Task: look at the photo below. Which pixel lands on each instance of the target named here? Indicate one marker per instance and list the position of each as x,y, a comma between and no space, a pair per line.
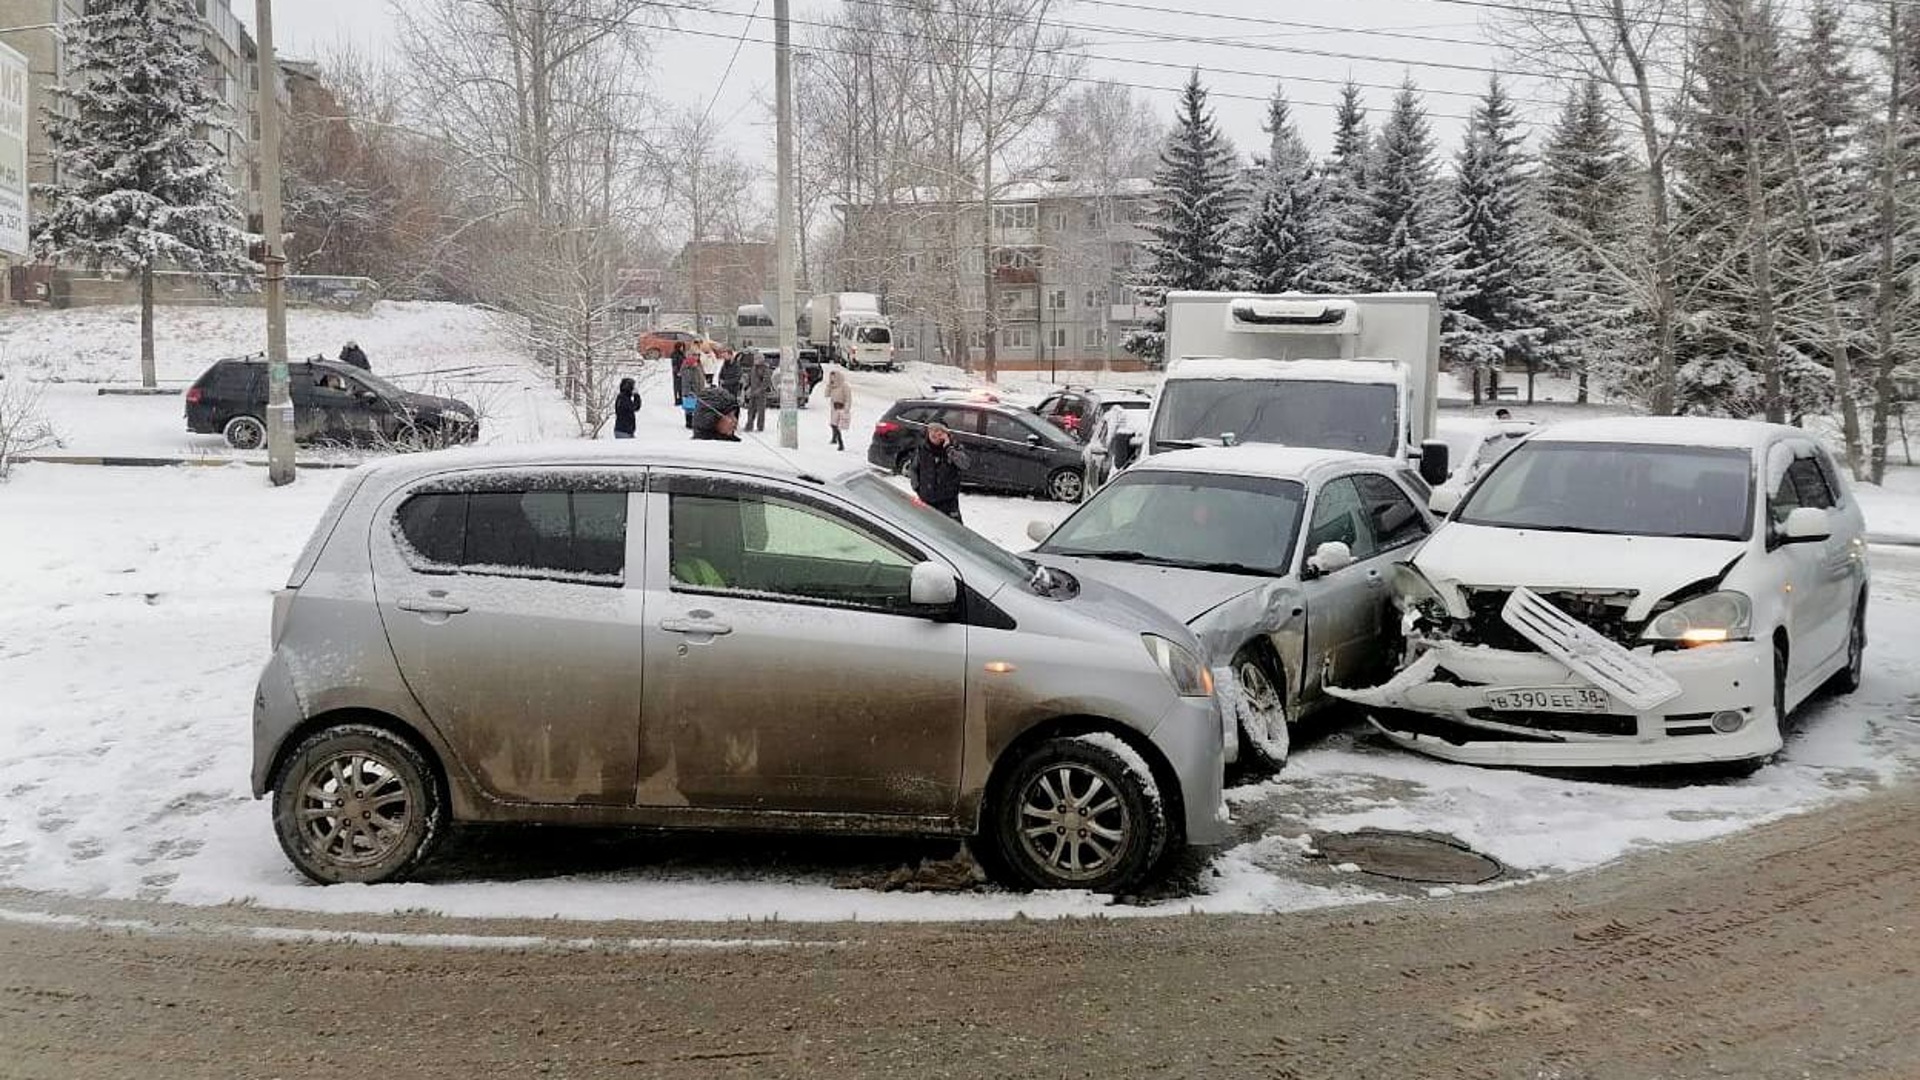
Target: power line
707,114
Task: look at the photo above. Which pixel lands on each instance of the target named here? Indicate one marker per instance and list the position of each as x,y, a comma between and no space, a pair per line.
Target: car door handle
432,606
695,627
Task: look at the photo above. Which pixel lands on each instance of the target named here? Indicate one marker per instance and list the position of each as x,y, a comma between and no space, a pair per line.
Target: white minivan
1641,591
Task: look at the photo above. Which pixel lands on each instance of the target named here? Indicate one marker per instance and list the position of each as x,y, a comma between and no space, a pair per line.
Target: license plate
1570,699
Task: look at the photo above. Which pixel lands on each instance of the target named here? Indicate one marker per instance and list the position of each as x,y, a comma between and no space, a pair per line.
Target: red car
657,343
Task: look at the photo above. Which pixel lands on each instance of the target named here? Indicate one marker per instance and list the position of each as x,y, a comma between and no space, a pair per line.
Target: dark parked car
1076,409
1010,448
332,402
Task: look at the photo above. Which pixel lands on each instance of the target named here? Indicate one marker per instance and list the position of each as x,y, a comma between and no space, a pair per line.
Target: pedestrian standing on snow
732,374
692,380
625,407
840,397
759,386
355,355
937,465
716,415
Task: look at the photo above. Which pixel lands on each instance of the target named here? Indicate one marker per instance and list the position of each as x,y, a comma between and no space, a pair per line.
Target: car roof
1671,431
751,455
1265,460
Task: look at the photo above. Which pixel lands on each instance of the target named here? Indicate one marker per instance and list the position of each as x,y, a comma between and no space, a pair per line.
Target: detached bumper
1440,705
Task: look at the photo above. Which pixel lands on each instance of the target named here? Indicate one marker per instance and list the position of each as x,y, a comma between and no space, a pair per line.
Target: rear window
570,535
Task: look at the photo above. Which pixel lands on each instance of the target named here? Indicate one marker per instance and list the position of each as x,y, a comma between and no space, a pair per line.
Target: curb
138,391
1890,540
163,462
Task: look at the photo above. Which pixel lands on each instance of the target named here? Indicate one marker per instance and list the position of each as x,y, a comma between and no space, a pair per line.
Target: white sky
700,48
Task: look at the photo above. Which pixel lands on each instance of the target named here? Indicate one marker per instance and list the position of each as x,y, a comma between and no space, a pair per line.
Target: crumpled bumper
1439,705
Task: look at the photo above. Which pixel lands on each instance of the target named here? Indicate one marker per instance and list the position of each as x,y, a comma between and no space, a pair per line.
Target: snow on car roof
751,453
1257,459
1381,370
1669,430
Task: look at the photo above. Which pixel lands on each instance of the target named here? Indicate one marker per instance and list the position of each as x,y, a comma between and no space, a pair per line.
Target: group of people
712,409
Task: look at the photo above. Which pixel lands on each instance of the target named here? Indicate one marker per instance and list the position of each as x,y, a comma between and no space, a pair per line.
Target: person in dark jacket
355,355
759,387
626,406
691,379
733,374
716,414
937,465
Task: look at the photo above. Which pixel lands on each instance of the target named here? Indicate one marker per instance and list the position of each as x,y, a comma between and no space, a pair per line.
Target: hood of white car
1184,594
1653,566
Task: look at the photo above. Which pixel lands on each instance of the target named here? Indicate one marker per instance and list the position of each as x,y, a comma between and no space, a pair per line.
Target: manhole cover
1402,856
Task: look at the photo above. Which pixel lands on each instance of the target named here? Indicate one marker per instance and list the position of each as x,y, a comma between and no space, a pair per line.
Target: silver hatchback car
720,638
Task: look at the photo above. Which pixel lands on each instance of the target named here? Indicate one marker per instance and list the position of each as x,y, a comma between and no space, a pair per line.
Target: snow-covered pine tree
1401,234
140,187
1496,302
1343,197
1196,191
1591,204
1283,239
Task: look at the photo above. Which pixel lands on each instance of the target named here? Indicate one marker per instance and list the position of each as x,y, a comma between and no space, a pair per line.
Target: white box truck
1357,372
848,329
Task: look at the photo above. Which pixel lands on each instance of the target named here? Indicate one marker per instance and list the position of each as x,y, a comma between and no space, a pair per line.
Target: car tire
1078,812
327,792
650,354
1262,710
245,433
1847,679
903,464
1067,486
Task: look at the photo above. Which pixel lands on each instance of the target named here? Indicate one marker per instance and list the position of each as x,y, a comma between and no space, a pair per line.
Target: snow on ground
134,608
1893,509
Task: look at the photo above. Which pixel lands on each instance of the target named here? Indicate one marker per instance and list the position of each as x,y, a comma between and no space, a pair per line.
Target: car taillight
193,395
885,427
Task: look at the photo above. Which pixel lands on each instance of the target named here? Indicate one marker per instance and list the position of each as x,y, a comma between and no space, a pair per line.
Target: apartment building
1064,257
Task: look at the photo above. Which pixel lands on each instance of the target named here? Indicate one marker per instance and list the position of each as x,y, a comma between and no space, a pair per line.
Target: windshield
371,381
1171,518
894,504
1330,415
875,335
1618,489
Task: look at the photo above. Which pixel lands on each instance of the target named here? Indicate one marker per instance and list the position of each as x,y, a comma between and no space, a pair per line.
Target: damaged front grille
1605,612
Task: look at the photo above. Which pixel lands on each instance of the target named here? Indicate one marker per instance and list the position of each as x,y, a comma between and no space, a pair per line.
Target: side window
570,535
1394,517
1001,426
782,549
1802,484
1339,515
1415,484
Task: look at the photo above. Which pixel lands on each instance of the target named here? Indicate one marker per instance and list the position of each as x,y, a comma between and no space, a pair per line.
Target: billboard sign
13,151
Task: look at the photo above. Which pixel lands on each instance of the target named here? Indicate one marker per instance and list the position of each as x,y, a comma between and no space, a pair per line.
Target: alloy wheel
354,808
1073,821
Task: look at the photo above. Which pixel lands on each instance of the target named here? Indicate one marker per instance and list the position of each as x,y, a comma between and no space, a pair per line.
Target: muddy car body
1278,558
1627,592
716,638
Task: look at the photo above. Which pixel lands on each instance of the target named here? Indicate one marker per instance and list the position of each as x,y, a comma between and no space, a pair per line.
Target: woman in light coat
840,396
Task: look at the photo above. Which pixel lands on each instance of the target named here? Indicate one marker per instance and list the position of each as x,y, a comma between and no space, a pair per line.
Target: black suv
332,403
1010,448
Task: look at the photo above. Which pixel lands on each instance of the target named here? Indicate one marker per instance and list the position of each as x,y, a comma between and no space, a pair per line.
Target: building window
1095,338
1016,258
913,264
1057,337
976,339
1021,216
1095,298
1093,218
1057,299
1017,337
973,298
1057,221
910,339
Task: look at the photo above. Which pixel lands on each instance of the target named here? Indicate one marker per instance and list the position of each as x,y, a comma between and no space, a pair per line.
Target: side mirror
1444,499
1332,556
1806,525
368,396
1433,462
932,585
1033,438
1038,531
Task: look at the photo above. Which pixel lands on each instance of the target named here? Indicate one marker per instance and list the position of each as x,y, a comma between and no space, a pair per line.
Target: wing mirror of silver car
1038,531
932,585
1444,499
1806,525
1330,557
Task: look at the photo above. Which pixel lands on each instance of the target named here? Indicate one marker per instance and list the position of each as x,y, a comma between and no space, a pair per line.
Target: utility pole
783,242
279,392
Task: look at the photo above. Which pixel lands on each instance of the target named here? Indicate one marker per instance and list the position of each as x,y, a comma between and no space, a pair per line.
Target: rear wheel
245,433
1066,485
357,803
903,463
1264,736
1078,812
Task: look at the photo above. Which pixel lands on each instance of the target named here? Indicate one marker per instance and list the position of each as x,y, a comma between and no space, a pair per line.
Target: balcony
1016,275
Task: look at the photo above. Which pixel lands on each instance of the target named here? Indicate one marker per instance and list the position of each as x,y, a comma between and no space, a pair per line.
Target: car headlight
1190,678
1413,592
1704,620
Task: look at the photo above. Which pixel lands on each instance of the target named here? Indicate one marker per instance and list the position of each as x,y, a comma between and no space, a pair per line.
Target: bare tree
24,427
712,188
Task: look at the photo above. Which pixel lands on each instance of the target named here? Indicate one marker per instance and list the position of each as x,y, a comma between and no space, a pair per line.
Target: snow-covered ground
134,618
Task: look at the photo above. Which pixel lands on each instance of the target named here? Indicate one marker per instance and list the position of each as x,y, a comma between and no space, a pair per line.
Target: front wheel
1847,680
1066,485
245,433
356,803
1262,707
1078,812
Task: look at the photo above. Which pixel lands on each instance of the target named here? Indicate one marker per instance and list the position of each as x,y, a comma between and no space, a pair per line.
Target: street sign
13,151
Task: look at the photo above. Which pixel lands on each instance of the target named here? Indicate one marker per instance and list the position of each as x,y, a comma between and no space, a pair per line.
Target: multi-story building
1064,259
711,278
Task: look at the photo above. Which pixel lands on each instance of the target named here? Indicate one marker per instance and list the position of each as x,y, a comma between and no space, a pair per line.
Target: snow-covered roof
1669,430
751,453
1221,367
1256,459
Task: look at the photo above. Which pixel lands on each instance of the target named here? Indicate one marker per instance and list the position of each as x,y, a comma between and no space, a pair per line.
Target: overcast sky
1240,57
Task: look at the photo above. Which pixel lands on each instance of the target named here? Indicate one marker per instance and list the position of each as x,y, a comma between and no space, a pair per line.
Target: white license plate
1586,699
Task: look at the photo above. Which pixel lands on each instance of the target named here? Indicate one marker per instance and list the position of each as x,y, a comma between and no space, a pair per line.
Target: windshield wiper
1115,556
1222,567
1179,444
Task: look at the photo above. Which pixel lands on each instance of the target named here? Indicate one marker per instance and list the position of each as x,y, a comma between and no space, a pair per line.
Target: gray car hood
1185,594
